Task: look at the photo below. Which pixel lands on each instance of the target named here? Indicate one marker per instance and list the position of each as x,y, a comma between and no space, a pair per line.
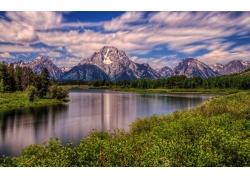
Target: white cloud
52,54
192,49
20,48
122,22
39,20
25,54
223,57
23,25
6,55
16,32
67,61
131,32
170,61
212,20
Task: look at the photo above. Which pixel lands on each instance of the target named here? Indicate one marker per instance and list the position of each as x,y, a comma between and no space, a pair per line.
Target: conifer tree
11,78
45,81
26,77
3,76
18,78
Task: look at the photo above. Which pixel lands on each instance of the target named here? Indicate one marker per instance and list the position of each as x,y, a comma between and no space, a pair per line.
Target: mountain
235,66
19,63
65,69
115,64
165,72
217,68
192,67
38,64
86,72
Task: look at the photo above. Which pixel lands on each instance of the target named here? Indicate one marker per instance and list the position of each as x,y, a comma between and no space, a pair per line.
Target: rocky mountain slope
192,67
217,68
38,64
165,72
65,69
115,64
235,66
86,72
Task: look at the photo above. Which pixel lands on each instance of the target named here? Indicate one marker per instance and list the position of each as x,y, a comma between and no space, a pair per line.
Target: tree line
232,81
23,78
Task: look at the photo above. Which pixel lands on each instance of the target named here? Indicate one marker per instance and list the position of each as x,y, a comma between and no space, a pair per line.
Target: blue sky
160,38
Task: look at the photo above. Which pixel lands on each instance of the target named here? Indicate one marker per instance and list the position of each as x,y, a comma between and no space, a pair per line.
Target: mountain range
113,64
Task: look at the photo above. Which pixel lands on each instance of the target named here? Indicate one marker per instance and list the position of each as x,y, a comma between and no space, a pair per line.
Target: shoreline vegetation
20,99
157,90
21,87
214,134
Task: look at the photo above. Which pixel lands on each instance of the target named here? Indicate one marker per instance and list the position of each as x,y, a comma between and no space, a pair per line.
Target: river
87,110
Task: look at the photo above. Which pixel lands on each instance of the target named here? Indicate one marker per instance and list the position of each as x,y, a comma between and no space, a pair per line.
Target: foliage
26,77
45,81
20,99
58,92
214,134
18,78
31,92
232,81
23,79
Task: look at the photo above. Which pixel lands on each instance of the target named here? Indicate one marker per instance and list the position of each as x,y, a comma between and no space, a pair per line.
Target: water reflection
102,110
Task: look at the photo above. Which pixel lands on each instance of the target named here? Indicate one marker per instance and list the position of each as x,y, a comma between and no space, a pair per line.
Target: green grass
158,90
20,99
214,134
176,91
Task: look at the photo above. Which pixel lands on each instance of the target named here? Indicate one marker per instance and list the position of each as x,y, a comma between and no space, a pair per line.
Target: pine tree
11,78
26,78
37,82
18,78
4,76
45,81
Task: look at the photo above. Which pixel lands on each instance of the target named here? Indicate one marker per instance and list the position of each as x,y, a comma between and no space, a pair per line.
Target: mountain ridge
113,64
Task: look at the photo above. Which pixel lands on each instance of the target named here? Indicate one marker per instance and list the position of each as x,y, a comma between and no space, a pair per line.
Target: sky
159,38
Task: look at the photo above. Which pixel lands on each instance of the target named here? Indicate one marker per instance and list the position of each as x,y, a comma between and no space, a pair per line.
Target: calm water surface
102,110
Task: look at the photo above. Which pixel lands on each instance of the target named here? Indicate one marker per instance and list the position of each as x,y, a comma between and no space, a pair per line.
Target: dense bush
58,92
31,92
214,134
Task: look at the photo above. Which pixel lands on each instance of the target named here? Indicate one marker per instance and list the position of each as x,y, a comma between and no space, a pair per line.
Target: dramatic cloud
123,22
209,36
170,61
223,57
52,54
20,48
16,32
39,20
5,55
67,61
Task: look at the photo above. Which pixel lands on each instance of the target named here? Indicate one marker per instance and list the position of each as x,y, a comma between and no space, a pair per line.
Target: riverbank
214,134
178,91
158,90
20,99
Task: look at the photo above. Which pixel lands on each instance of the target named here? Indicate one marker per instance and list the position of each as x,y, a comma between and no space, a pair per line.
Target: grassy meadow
20,99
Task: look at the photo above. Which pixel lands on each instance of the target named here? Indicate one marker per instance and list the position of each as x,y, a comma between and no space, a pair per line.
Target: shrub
31,92
57,92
